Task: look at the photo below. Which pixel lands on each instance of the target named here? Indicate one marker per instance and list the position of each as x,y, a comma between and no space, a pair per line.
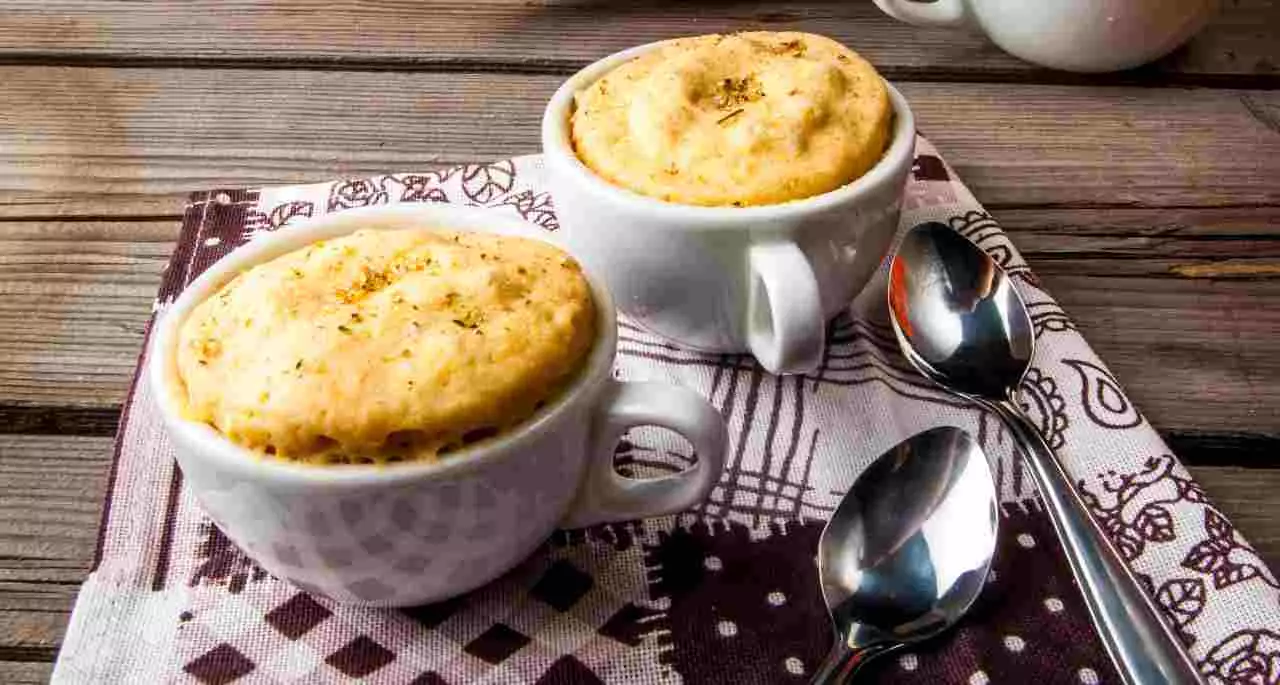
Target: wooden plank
35,419
36,601
1104,146
131,139
550,35
51,493
84,291
1138,232
29,203
34,613
145,137
32,635
25,672
53,489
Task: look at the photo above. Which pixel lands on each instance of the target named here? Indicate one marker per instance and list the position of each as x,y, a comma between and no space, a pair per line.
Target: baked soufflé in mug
386,345
745,119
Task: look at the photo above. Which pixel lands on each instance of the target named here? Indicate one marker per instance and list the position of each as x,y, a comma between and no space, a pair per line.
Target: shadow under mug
409,533
763,279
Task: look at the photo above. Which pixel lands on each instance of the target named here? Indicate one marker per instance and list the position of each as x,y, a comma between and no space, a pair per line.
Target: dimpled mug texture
402,533
404,544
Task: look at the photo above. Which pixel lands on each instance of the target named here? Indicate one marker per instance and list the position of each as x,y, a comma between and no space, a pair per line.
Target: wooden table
1149,202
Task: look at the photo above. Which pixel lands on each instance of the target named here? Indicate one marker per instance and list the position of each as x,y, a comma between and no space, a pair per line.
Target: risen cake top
751,118
386,345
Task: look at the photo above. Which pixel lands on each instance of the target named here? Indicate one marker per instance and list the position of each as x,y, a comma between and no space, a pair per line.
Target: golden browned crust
386,345
750,118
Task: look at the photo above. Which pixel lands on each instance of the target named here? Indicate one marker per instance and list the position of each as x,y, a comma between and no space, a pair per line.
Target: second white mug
760,279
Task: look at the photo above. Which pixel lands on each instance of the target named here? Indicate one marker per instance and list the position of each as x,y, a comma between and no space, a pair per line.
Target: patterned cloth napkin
726,593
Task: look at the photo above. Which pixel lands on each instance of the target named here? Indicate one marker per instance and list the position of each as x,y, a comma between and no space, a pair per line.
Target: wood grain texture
84,291
35,419
125,140
53,487
25,672
50,507
553,35
1200,244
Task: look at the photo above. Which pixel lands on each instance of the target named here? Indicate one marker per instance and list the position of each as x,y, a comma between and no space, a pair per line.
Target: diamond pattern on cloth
222,664
562,586
497,643
360,657
724,593
297,616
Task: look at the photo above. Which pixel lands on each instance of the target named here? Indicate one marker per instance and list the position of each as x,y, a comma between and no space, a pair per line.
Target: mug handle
786,330
607,496
944,13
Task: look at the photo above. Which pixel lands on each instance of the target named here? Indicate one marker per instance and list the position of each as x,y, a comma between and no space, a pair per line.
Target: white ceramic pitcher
1074,35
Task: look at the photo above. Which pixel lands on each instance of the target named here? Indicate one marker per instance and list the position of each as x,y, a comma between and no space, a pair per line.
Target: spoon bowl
908,549
963,323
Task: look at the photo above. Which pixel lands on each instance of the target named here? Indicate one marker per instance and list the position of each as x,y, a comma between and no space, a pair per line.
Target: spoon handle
1142,646
843,662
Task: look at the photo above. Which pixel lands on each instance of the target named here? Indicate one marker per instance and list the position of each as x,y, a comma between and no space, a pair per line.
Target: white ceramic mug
728,279
408,533
1074,35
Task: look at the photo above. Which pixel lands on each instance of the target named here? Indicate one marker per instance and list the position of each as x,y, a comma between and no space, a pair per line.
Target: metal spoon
907,551
963,325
